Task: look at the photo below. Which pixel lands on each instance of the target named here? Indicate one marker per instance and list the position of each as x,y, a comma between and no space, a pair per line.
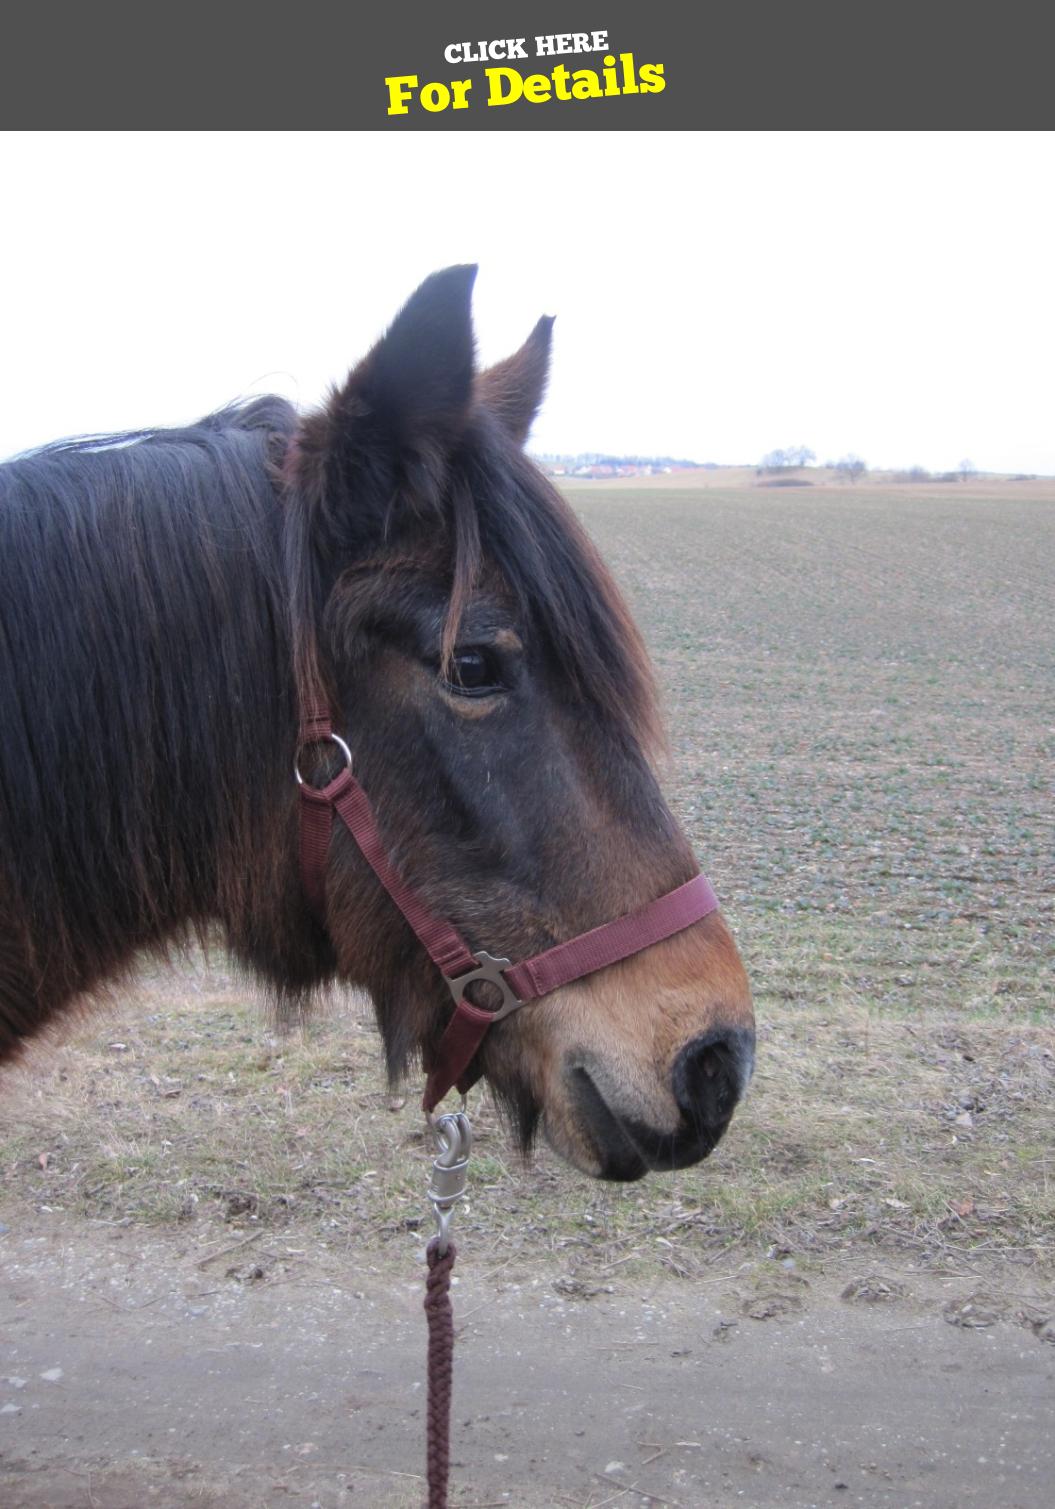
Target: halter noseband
460,967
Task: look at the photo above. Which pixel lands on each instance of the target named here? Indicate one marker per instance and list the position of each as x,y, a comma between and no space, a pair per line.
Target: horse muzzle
708,1078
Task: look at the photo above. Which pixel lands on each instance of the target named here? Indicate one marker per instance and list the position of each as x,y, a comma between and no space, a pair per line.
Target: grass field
859,687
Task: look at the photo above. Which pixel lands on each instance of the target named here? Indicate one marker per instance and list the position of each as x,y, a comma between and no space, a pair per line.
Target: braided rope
440,1317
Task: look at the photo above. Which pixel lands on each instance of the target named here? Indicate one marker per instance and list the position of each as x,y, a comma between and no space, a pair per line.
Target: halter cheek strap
459,965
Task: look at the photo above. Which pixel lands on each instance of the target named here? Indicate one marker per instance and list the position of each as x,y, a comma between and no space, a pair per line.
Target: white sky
717,294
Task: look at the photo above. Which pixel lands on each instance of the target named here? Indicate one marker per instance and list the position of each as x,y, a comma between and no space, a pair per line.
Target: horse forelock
488,511
531,535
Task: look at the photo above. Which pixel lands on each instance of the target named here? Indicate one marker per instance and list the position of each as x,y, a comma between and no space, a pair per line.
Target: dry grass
862,1129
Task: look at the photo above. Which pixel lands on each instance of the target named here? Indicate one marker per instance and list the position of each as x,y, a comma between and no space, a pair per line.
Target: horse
171,600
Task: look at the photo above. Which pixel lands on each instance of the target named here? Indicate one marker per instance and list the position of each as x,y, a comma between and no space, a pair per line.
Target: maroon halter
518,983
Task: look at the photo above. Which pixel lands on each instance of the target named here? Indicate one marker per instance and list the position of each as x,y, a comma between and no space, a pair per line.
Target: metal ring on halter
323,738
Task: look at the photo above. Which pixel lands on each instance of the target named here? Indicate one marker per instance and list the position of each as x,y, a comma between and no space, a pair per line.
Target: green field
859,688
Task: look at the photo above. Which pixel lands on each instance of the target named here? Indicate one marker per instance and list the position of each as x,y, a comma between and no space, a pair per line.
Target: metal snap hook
454,1139
453,1135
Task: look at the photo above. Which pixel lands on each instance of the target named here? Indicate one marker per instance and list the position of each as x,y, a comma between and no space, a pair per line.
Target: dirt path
134,1371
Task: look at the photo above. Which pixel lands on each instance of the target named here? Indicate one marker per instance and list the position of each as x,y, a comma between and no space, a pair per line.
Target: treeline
851,467
963,473
774,463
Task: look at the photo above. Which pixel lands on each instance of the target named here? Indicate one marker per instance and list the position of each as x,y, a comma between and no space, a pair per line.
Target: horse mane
145,647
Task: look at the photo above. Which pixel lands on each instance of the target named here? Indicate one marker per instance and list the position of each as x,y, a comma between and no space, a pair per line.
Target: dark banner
580,65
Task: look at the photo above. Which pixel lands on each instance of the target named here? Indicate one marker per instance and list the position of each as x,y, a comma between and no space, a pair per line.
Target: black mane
145,649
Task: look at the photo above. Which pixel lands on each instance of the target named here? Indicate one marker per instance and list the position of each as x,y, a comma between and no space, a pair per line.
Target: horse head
501,715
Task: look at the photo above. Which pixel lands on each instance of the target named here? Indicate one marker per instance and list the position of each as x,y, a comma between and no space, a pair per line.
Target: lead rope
440,1317
454,1138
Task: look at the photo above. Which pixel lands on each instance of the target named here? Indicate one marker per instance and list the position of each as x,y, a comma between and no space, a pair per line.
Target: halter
460,967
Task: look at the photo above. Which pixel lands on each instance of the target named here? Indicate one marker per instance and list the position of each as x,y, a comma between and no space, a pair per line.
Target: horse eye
474,672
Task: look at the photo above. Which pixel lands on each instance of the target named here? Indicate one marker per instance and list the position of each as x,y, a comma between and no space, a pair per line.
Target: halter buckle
490,969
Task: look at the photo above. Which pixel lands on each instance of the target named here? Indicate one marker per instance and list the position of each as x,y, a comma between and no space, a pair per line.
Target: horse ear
400,412
513,389
417,380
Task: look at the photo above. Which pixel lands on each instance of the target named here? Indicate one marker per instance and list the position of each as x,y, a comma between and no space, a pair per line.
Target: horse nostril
711,1073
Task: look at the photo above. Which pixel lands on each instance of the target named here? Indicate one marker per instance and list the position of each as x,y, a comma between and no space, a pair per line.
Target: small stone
974,1313
771,1305
873,1289
52,1375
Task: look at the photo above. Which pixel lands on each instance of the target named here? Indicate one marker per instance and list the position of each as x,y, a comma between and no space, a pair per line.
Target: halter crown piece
459,965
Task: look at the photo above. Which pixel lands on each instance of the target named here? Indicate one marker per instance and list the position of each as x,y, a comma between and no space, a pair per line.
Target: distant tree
967,470
851,467
781,461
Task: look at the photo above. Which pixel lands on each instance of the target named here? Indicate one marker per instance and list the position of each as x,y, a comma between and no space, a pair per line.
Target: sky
717,295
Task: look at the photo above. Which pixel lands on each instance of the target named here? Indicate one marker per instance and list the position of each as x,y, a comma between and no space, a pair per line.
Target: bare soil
156,1370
